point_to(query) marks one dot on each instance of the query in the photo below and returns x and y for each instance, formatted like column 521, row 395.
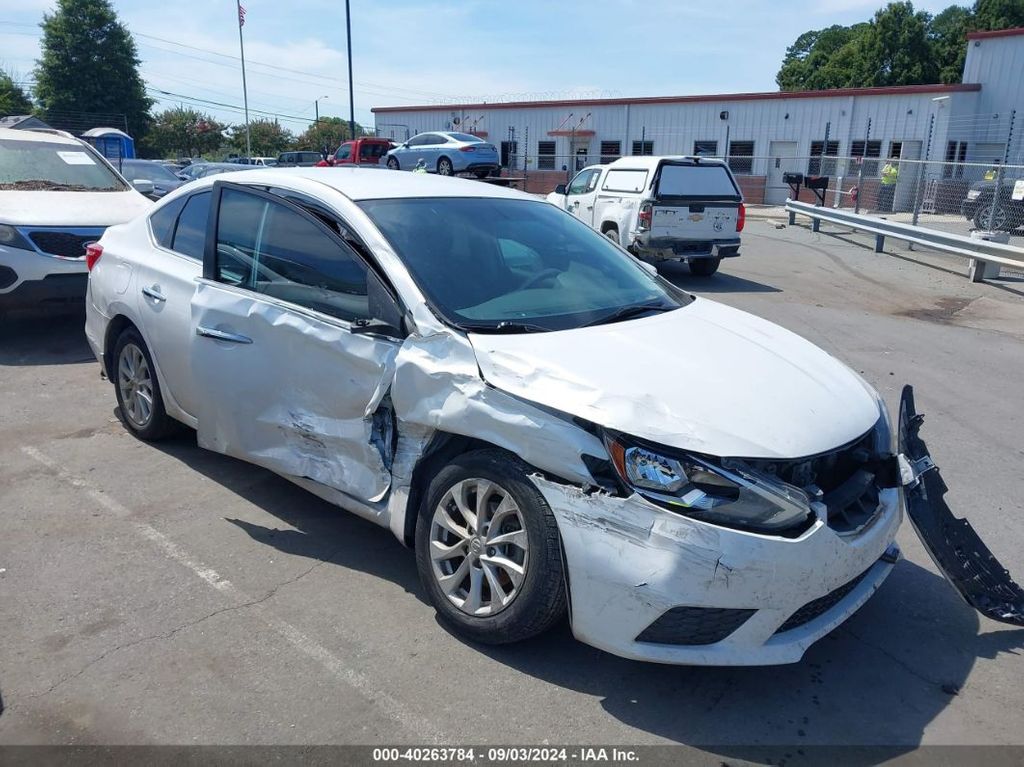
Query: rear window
column 372, row 151
column 465, row 137
column 625, row 181
column 45, row 166
column 707, row 182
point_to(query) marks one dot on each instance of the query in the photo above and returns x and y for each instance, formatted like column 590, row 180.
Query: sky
column 428, row 52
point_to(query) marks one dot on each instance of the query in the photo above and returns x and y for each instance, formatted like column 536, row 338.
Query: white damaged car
column 553, row 428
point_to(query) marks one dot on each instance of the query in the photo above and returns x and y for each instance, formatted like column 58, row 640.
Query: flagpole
column 245, row 91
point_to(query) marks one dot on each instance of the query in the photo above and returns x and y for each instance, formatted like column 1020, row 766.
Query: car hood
column 705, row 377
column 70, row 208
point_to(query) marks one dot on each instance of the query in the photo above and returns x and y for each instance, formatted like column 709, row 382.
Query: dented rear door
column 282, row 379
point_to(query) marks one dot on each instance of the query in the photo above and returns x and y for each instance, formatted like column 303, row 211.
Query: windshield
column 505, row 265
column 47, row 166
column 150, row 171
column 706, row 182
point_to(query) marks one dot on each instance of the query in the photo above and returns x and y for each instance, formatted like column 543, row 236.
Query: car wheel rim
column 445, row 168
column 136, row 385
column 478, row 547
column 392, row 164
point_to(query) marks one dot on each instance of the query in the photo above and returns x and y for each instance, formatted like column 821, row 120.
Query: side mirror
column 560, row 189
column 143, row 186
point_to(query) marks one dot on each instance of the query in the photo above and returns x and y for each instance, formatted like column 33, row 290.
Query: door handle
column 221, row 335
column 590, row 207
column 153, row 293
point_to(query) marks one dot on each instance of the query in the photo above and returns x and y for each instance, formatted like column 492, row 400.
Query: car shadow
column 38, row 338
column 679, row 275
column 877, row 681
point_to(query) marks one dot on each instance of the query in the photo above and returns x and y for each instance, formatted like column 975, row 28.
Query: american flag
column 241, row 15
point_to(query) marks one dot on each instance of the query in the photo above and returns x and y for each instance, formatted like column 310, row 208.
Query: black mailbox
column 793, row 179
column 816, row 182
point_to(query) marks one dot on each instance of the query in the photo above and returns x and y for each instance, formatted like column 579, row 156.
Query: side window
column 581, row 183
column 162, row 222
column 344, row 152
column 190, row 234
column 418, row 140
column 269, row 248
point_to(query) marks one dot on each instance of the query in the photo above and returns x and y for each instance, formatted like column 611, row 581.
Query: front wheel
column 704, row 267
column 991, row 217
column 444, row 167
column 488, row 551
column 392, row 163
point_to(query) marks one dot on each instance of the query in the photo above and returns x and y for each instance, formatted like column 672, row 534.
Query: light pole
column 351, row 96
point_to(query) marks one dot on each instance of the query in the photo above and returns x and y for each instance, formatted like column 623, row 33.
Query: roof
column 996, row 33
column 894, row 90
column 368, row 183
column 27, row 121
column 97, row 132
column 12, row 134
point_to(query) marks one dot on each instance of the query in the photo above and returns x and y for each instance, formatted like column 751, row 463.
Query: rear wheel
column 612, row 233
column 488, row 552
column 444, row 167
column 704, row 267
column 137, row 389
column 481, row 173
column 392, row 163
column 991, row 217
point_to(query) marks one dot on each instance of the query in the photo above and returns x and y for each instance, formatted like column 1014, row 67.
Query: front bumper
column 669, row 249
column 629, row 562
column 30, row 279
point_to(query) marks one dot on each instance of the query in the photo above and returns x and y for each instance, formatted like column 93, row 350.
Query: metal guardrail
column 980, row 252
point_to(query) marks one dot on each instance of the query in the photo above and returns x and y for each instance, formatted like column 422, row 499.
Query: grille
column 64, row 244
column 694, row 625
column 820, row 606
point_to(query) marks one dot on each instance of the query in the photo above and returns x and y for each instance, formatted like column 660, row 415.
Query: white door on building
column 910, row 173
column 783, row 160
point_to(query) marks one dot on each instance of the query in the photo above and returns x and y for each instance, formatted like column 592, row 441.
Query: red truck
column 363, row 151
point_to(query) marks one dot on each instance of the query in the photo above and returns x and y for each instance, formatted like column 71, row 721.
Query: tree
column 267, row 137
column 90, row 64
column 181, row 132
column 328, row 133
column 997, row 14
column 13, row 100
column 948, row 33
column 896, row 49
column 813, row 61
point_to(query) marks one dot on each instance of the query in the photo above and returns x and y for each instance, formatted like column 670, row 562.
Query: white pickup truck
column 661, row 208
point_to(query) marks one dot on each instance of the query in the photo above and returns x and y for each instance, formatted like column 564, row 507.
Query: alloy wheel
column 135, row 383
column 444, row 167
column 478, row 547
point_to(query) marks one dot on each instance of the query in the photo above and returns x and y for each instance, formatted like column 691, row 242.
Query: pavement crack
column 894, row 658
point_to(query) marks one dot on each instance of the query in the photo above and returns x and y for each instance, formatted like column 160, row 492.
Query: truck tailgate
column 693, row 221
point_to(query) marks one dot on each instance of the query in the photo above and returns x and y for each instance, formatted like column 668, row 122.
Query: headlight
column 974, row 194
column 732, row 494
column 12, row 238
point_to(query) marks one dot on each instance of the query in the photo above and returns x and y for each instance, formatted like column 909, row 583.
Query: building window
column 705, row 148
column 610, row 151
column 643, row 147
column 823, row 166
column 956, row 152
column 509, row 153
column 741, row 156
column 866, row 150
column 545, row 155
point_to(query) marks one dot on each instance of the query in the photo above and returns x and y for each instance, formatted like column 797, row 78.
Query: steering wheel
column 538, row 277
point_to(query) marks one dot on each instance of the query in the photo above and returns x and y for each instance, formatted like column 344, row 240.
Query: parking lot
column 158, row 593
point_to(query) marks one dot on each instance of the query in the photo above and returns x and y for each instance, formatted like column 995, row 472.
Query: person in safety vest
column 887, row 190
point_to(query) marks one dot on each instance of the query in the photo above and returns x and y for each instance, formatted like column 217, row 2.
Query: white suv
column 57, row 195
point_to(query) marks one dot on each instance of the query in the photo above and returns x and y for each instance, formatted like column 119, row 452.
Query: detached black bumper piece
column 952, row 543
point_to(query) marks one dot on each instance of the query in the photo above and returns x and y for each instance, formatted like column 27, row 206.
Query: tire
column 612, row 233
column 135, row 374
column 704, row 267
column 393, row 164
column 519, row 611
column 481, row 173
column 445, row 167
column 1000, row 216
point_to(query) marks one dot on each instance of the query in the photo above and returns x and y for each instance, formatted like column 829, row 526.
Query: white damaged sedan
column 552, row 427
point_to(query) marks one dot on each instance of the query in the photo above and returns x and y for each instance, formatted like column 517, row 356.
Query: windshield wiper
column 505, row 326
column 628, row 312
